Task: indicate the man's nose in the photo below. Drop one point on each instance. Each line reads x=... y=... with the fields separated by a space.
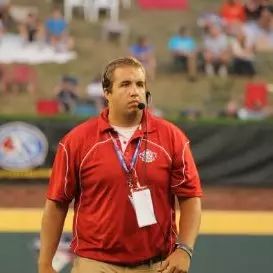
x=133 y=91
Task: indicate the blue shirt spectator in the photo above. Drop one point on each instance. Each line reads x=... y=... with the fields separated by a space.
x=144 y=52
x=138 y=50
x=141 y=50
x=182 y=42
x=56 y=25
x=183 y=48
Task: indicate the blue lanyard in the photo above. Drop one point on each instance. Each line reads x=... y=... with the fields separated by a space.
x=121 y=157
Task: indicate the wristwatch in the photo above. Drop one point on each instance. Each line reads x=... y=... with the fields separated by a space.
x=184 y=247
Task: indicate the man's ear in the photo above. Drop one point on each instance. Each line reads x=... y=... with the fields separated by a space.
x=106 y=94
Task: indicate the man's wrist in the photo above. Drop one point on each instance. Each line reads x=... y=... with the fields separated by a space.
x=44 y=263
x=184 y=248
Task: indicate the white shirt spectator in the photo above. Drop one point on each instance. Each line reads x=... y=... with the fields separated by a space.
x=257 y=36
x=4 y=2
x=240 y=52
x=216 y=45
x=94 y=90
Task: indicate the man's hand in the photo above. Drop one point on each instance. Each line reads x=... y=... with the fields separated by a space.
x=177 y=262
x=46 y=269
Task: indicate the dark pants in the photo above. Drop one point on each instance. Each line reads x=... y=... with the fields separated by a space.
x=243 y=67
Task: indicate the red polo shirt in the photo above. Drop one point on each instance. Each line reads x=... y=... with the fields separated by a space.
x=87 y=168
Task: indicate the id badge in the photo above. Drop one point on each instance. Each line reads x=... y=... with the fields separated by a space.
x=143 y=205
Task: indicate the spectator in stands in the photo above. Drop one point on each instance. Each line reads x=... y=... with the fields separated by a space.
x=184 y=51
x=4 y=12
x=57 y=33
x=2 y=30
x=267 y=4
x=264 y=36
x=67 y=93
x=144 y=52
x=20 y=77
x=257 y=112
x=243 y=54
x=31 y=30
x=95 y=92
x=208 y=17
x=233 y=11
x=231 y=110
x=260 y=34
x=252 y=10
x=216 y=52
x=2 y=75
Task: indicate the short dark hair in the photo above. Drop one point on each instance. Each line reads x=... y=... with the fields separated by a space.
x=183 y=30
x=107 y=78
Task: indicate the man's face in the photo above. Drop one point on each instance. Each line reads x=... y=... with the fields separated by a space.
x=231 y=2
x=143 y=42
x=56 y=14
x=215 y=31
x=128 y=90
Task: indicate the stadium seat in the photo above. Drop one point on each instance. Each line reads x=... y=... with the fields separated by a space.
x=21 y=75
x=94 y=7
x=256 y=92
x=47 y=107
x=69 y=5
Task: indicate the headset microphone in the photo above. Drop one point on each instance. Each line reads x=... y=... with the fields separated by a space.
x=141 y=106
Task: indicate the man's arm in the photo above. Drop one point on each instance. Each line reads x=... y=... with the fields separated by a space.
x=185 y=184
x=190 y=219
x=189 y=223
x=52 y=226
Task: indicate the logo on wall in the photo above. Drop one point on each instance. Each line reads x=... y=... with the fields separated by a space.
x=63 y=255
x=22 y=146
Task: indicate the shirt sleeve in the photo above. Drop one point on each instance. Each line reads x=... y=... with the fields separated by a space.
x=171 y=44
x=206 y=43
x=63 y=179
x=185 y=179
x=194 y=44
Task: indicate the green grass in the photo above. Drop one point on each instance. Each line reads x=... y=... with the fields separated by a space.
x=171 y=91
x=207 y=121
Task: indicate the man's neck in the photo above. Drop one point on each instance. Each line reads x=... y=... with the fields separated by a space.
x=126 y=120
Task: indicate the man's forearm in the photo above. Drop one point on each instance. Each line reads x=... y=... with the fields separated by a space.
x=51 y=230
x=190 y=219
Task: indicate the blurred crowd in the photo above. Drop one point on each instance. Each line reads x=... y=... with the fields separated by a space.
x=53 y=31
x=230 y=38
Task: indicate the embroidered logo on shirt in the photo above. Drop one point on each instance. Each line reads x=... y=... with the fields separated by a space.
x=150 y=156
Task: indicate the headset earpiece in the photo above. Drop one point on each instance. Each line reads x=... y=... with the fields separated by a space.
x=148 y=96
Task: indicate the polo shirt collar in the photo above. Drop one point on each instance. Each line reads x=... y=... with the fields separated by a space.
x=104 y=125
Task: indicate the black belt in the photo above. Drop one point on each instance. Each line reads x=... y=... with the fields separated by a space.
x=148 y=262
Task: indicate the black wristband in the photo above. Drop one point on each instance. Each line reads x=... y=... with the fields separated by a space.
x=184 y=247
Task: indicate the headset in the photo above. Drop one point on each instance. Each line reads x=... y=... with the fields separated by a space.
x=142 y=105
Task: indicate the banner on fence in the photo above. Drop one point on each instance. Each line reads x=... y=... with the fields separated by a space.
x=224 y=153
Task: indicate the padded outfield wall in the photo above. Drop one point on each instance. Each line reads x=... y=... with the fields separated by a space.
x=230 y=241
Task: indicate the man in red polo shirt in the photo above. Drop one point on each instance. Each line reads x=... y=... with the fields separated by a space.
x=123 y=170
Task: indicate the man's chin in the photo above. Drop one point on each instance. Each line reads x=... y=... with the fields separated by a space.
x=132 y=110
